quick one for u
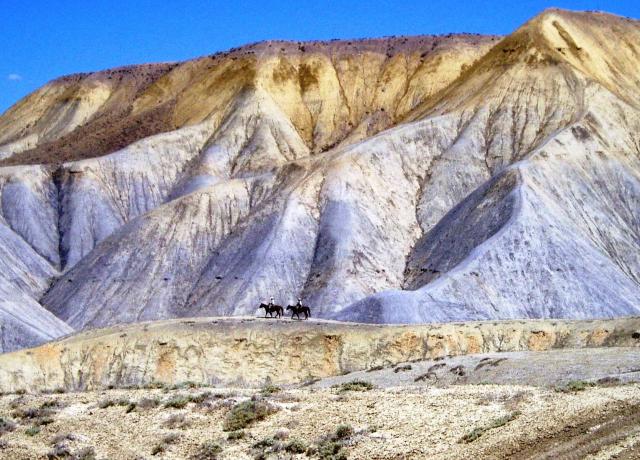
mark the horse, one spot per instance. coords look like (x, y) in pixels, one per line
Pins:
(271, 309)
(297, 310)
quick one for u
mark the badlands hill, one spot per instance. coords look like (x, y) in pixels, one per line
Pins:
(399, 180)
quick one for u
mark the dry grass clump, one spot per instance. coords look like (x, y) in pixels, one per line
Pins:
(245, 413)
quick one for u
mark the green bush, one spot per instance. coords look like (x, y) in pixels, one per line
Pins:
(245, 413)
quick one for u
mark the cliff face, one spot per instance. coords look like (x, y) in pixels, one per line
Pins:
(251, 351)
(399, 180)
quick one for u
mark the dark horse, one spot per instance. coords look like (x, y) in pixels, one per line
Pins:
(271, 309)
(297, 310)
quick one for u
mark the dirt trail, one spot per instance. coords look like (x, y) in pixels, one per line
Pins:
(593, 435)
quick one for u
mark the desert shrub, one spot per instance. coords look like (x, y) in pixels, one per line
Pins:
(576, 385)
(38, 415)
(207, 451)
(354, 385)
(52, 404)
(609, 381)
(130, 407)
(62, 437)
(58, 452)
(497, 423)
(86, 453)
(148, 403)
(375, 368)
(330, 450)
(33, 413)
(406, 367)
(235, 435)
(167, 440)
(309, 382)
(489, 362)
(426, 376)
(245, 413)
(32, 431)
(281, 434)
(296, 446)
(265, 442)
(106, 403)
(270, 389)
(458, 370)
(200, 397)
(58, 390)
(179, 421)
(6, 425)
(187, 385)
(153, 386)
(343, 432)
(177, 402)
(3, 444)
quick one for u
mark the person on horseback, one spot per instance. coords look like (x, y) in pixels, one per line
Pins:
(299, 304)
(271, 302)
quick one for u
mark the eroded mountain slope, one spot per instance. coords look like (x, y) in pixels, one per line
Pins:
(475, 179)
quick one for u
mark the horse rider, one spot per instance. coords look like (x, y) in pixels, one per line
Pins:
(271, 302)
(299, 304)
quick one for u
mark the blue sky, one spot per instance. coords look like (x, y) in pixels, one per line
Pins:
(45, 39)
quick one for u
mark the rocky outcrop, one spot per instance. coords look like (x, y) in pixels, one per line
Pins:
(252, 351)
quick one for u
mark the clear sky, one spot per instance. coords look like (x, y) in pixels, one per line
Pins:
(44, 39)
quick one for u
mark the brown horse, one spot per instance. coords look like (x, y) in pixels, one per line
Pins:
(297, 310)
(271, 309)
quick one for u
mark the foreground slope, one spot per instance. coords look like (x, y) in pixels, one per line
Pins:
(397, 180)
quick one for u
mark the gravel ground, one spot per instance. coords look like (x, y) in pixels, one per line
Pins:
(398, 419)
(540, 368)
